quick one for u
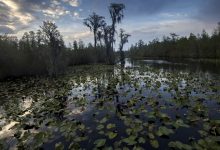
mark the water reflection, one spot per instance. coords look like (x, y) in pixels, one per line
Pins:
(124, 97)
(180, 65)
(160, 101)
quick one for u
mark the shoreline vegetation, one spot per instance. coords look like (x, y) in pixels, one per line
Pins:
(201, 46)
(95, 96)
(44, 52)
(208, 60)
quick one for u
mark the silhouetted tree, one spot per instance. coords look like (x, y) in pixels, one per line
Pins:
(43, 53)
(140, 43)
(81, 45)
(123, 40)
(39, 38)
(75, 45)
(201, 46)
(54, 40)
(100, 37)
(117, 14)
(174, 36)
(94, 22)
(107, 35)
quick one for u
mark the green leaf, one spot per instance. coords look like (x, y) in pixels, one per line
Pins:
(103, 120)
(130, 140)
(128, 131)
(203, 133)
(59, 146)
(110, 126)
(179, 145)
(141, 140)
(80, 139)
(154, 143)
(100, 127)
(180, 123)
(111, 135)
(164, 131)
(100, 142)
(151, 136)
(158, 84)
(108, 148)
(74, 145)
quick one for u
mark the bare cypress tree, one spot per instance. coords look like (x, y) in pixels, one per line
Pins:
(75, 45)
(100, 37)
(123, 40)
(107, 34)
(117, 14)
(55, 42)
(94, 22)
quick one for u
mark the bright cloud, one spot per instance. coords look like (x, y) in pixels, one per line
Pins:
(74, 3)
(55, 11)
(146, 20)
(70, 36)
(14, 12)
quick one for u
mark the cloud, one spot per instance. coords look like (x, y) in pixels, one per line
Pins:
(55, 11)
(74, 3)
(75, 14)
(17, 16)
(55, 2)
(144, 19)
(15, 12)
(6, 29)
(174, 15)
(70, 36)
(11, 15)
(81, 35)
(150, 30)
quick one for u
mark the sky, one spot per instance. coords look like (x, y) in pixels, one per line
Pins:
(144, 19)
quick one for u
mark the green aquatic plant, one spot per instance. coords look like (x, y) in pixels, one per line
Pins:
(100, 142)
(92, 101)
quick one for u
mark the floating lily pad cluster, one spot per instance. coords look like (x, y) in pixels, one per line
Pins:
(110, 107)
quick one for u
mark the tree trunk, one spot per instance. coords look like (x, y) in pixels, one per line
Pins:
(95, 39)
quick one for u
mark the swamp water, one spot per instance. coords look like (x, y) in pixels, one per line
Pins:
(140, 105)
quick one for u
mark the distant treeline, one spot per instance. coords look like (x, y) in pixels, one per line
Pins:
(44, 53)
(195, 46)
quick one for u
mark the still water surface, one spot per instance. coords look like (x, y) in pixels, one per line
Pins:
(145, 104)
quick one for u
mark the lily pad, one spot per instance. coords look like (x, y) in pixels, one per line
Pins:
(100, 127)
(164, 131)
(179, 145)
(100, 142)
(103, 120)
(59, 146)
(111, 135)
(110, 126)
(141, 140)
(130, 140)
(154, 143)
